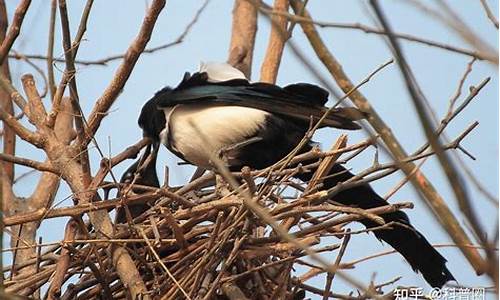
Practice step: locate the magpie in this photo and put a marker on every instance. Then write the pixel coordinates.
(145, 168)
(217, 111)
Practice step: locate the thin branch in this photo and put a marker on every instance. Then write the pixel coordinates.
(372, 30)
(70, 51)
(14, 29)
(38, 70)
(454, 22)
(82, 28)
(50, 49)
(433, 199)
(178, 40)
(461, 82)
(106, 60)
(121, 76)
(489, 13)
(330, 276)
(40, 166)
(446, 163)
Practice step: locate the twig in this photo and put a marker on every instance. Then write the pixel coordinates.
(50, 49)
(158, 259)
(454, 22)
(105, 61)
(327, 163)
(38, 70)
(70, 53)
(298, 18)
(354, 262)
(330, 276)
(178, 232)
(489, 13)
(458, 92)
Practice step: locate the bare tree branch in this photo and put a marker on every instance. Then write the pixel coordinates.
(489, 13)
(243, 33)
(14, 29)
(447, 165)
(432, 197)
(104, 102)
(372, 30)
(276, 44)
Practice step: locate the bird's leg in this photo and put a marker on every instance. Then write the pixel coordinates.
(229, 154)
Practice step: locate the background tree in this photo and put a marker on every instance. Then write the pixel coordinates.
(69, 127)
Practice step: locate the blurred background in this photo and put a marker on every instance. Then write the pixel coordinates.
(113, 24)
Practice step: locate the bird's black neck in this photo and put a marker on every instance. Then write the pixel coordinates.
(152, 119)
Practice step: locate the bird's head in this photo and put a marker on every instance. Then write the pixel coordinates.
(152, 119)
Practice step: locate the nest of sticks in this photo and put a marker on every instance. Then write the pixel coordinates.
(240, 235)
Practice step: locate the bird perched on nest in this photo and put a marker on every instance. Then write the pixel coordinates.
(217, 111)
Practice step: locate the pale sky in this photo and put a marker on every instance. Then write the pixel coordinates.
(114, 24)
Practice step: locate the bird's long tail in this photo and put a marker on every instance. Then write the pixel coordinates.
(405, 239)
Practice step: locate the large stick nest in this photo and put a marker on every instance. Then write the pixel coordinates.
(255, 237)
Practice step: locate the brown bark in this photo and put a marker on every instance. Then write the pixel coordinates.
(9, 137)
(41, 198)
(276, 44)
(243, 33)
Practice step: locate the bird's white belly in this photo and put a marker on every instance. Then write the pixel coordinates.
(200, 131)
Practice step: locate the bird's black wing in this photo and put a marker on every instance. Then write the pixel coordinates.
(299, 101)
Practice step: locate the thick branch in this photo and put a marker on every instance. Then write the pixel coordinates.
(9, 136)
(276, 44)
(63, 262)
(36, 108)
(243, 36)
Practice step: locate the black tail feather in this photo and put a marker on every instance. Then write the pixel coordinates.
(415, 249)
(405, 238)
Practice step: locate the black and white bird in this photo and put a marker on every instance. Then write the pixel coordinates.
(217, 110)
